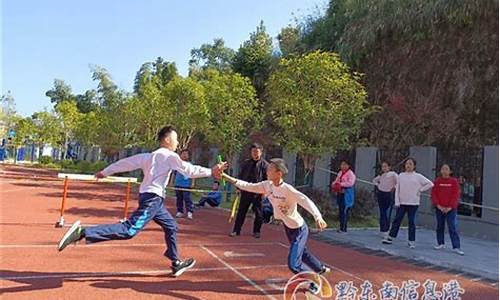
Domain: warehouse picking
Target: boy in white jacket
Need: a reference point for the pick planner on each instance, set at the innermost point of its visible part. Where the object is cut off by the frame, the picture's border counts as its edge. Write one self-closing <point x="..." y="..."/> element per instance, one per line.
<point x="157" y="167"/>
<point x="407" y="199"/>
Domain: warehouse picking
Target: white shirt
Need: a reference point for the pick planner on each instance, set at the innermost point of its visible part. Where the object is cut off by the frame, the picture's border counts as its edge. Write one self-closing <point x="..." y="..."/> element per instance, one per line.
<point x="157" y="167"/>
<point x="409" y="187"/>
<point x="284" y="199"/>
<point x="386" y="182"/>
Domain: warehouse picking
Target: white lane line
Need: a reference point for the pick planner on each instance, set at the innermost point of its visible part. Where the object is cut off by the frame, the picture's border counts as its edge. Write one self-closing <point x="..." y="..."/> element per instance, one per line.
<point x="7" y="246"/>
<point x="255" y="285"/>
<point x="143" y="272"/>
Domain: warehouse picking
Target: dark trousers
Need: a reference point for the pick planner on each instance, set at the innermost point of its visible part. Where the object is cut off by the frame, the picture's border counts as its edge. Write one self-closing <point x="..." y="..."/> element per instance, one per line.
<point x="184" y="197"/>
<point x="343" y="212"/>
<point x="150" y="208"/>
<point x="412" y="216"/>
<point x="246" y="200"/>
<point x="299" y="257"/>
<point x="451" y="219"/>
<point x="385" y="200"/>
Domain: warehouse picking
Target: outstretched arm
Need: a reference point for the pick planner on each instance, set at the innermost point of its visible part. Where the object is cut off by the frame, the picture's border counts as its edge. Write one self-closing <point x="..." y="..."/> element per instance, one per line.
<point x="257" y="188"/>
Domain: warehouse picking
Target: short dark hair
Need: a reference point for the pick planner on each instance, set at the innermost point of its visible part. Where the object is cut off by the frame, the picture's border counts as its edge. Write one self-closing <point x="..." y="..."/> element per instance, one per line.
<point x="256" y="146"/>
<point x="345" y="161"/>
<point x="186" y="150"/>
<point x="385" y="162"/>
<point x="280" y="164"/>
<point x="165" y="131"/>
<point x="410" y="158"/>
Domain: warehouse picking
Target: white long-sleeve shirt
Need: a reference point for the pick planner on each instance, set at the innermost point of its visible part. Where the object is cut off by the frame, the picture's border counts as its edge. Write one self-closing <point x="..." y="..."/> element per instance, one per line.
<point x="386" y="182"/>
<point x="284" y="199"/>
<point x="157" y="167"/>
<point x="409" y="187"/>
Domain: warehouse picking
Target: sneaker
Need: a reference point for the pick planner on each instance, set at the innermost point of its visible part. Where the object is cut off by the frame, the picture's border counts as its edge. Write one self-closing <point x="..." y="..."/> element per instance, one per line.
<point x="387" y="240"/>
<point x="411" y="244"/>
<point x="458" y="251"/>
<point x="74" y="234"/>
<point x="179" y="266"/>
<point x="190" y="215"/>
<point x="384" y="234"/>
<point x="256" y="235"/>
<point x="313" y="288"/>
<point x="324" y="270"/>
<point x="179" y="215"/>
<point x="234" y="233"/>
<point x="439" y="247"/>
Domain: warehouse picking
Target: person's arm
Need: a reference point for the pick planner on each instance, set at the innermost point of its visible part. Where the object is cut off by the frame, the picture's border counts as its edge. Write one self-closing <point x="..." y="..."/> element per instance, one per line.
<point x="435" y="195"/>
<point x="376" y="181"/>
<point x="394" y="180"/>
<point x="188" y="169"/>
<point x="337" y="179"/>
<point x="456" y="190"/>
<point x="308" y="205"/>
<point x="123" y="165"/>
<point x="350" y="179"/>
<point x="257" y="188"/>
<point x="396" y="194"/>
<point x="425" y="183"/>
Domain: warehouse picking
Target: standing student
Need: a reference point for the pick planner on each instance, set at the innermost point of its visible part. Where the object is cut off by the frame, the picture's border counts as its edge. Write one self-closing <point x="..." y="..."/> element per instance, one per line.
<point x="252" y="170"/>
<point x="386" y="184"/>
<point x="183" y="183"/>
<point x="285" y="199"/>
<point x="343" y="187"/>
<point x="156" y="167"/>
<point x="445" y="197"/>
<point x="407" y="199"/>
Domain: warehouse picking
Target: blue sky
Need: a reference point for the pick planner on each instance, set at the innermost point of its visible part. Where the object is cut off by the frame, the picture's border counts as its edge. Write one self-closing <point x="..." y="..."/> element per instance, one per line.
<point x="44" y="40"/>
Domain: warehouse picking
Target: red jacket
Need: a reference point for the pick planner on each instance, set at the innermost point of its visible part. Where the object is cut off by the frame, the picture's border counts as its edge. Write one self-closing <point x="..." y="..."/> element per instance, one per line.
<point x="446" y="192"/>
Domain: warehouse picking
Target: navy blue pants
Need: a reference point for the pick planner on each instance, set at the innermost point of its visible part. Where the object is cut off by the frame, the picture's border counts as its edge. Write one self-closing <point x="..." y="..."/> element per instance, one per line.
<point x="451" y="219"/>
<point x="212" y="202"/>
<point x="385" y="208"/>
<point x="150" y="208"/>
<point x="299" y="257"/>
<point x="184" y="197"/>
<point x="412" y="216"/>
<point x="343" y="212"/>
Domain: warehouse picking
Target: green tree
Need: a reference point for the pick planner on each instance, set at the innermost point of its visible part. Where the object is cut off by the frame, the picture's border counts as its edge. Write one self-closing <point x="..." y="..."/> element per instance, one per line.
<point x="69" y="116"/>
<point x="60" y="92"/>
<point x="7" y="112"/>
<point x="234" y="111"/>
<point x="25" y="130"/>
<point x="48" y="128"/>
<point x="215" y="55"/>
<point x="318" y="106"/>
<point x="254" y="59"/>
<point x="290" y="41"/>
<point x="87" y="101"/>
<point x="186" y="108"/>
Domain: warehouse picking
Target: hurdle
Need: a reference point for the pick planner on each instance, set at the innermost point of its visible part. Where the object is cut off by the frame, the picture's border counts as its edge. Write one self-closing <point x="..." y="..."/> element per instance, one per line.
<point x="92" y="178"/>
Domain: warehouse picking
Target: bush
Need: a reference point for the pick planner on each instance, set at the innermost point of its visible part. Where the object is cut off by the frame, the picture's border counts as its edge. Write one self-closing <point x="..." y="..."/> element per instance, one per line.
<point x="364" y="204"/>
<point x="45" y="159"/>
<point x="67" y="164"/>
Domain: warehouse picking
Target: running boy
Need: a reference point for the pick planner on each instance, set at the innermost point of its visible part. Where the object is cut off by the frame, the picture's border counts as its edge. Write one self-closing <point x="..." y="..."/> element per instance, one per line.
<point x="157" y="167"/>
<point x="284" y="199"/>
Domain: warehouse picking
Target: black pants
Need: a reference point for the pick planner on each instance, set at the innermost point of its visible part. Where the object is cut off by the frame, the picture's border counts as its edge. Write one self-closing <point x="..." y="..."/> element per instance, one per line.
<point x="246" y="200"/>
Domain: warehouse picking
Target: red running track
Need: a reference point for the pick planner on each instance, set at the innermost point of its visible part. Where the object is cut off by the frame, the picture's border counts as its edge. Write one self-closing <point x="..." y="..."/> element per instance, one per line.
<point x="235" y="268"/>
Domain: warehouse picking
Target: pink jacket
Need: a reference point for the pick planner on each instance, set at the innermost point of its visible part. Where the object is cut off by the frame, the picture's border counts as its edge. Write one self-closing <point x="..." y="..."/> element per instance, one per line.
<point x="348" y="180"/>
